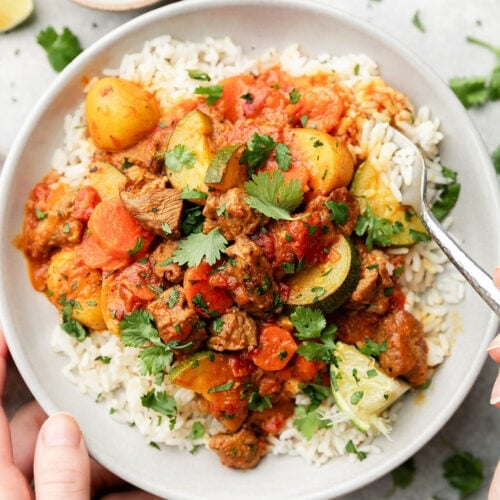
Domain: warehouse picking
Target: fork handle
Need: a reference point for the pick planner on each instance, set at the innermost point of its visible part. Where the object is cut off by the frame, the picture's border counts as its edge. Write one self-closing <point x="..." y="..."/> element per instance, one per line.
<point x="480" y="280"/>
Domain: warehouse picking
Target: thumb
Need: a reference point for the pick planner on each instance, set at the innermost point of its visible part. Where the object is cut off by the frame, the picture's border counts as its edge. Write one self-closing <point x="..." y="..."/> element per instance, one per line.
<point x="62" y="465"/>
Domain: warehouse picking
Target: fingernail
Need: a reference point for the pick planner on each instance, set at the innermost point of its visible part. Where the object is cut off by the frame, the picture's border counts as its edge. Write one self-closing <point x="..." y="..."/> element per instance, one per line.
<point x="61" y="429"/>
<point x="495" y="344"/>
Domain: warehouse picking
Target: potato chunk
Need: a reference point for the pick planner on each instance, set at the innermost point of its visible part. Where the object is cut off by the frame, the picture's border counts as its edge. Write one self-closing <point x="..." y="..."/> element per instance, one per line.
<point x="70" y="280"/>
<point x="119" y="113"/>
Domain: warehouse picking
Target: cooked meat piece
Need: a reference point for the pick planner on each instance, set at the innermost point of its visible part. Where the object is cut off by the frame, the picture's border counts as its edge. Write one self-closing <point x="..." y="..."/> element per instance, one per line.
<point x="406" y="353"/>
<point x="248" y="277"/>
<point x="49" y="223"/>
<point x="155" y="207"/>
<point x="237" y="331"/>
<point x="230" y="212"/>
<point x="144" y="153"/>
<point x="343" y="195"/>
<point x="242" y="450"/>
<point x="163" y="267"/>
<point x="174" y="318"/>
<point x="355" y="326"/>
<point x="374" y="280"/>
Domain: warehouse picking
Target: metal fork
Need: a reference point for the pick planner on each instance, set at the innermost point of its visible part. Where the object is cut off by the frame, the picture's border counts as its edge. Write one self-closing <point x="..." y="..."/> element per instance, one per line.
<point x="414" y="195"/>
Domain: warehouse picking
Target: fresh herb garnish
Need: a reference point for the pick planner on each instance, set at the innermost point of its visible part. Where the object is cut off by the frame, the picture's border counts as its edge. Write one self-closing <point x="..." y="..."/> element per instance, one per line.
<point x="316" y="393"/>
<point x="294" y="96"/>
<point x="192" y="194"/>
<point x="448" y="196"/>
<point x="61" y="48"/>
<point x="212" y="92"/>
<point x="162" y="403"/>
<point x="192" y="219"/>
<point x="319" y="339"/>
<point x="270" y="195"/>
<point x="40" y="215"/>
<point x="495" y="158"/>
<point x="403" y="475"/>
<point x="179" y="157"/>
<point x="197" y="431"/>
<point x="198" y="246"/>
<point x="339" y="212"/>
<point x="464" y="472"/>
<point x="371" y="348"/>
<point x="70" y="325"/>
<point x="417" y="22"/>
<point x="259" y="148"/>
<point x="307" y="421"/>
<point x="137" y="329"/>
<point x="350" y="447"/>
<point x="256" y="402"/>
<point x="137" y="247"/>
<point x="197" y="74"/>
<point x="378" y="230"/>
<point x="222" y="387"/>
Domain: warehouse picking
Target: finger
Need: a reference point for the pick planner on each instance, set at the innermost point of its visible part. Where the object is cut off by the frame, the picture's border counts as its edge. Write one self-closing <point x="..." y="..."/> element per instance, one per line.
<point x="24" y="427"/>
<point x="130" y="495"/>
<point x="495" y="393"/>
<point x="62" y="465"/>
<point x="494" y="349"/>
<point x="103" y="479"/>
<point x="496" y="276"/>
<point x="12" y="483"/>
<point x="494" y="492"/>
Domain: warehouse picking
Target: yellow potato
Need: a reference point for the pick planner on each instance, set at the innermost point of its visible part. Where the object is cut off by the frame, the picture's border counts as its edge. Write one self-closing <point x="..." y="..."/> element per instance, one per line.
<point x="69" y="280"/>
<point x="119" y="113"/>
<point x="327" y="160"/>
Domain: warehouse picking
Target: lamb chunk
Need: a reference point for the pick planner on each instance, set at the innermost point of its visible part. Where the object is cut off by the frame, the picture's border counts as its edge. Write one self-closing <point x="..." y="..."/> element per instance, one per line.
<point x="163" y="268"/>
<point x="155" y="207"/>
<point x="174" y="318"/>
<point x="242" y="450"/>
<point x="248" y="277"/>
<point x="238" y="331"/>
<point x="50" y="223"/>
<point x="230" y="212"/>
<point x="406" y="354"/>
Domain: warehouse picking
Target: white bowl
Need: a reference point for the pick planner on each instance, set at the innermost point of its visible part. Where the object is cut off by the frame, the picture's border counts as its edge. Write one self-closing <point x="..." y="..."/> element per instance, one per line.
<point x="28" y="318"/>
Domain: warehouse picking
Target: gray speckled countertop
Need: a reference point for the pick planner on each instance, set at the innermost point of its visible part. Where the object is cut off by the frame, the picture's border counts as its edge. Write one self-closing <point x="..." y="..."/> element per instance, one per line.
<point x="25" y="74"/>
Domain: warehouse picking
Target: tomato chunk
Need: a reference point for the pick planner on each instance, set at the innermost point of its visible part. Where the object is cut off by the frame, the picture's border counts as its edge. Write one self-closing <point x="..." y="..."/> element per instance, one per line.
<point x="276" y="348"/>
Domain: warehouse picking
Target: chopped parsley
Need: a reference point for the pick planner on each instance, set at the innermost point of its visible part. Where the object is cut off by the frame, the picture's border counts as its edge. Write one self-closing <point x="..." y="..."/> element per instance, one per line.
<point x="198" y="246"/>
<point x="40" y="215"/>
<point x="70" y="325"/>
<point x="417" y="22"/>
<point x="61" y="48"/>
<point x="256" y="402"/>
<point x="294" y="96"/>
<point x="272" y="196"/>
<point x="258" y="150"/>
<point x="222" y="387"/>
<point x="350" y="447"/>
<point x="197" y="431"/>
<point x="371" y="348"/>
<point x="137" y="247"/>
<point x="192" y="219"/>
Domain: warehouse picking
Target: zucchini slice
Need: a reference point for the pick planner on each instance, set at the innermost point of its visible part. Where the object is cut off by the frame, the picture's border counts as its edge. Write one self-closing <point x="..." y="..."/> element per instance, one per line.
<point x="369" y="188"/>
<point x="225" y="170"/>
<point x="329" y="284"/>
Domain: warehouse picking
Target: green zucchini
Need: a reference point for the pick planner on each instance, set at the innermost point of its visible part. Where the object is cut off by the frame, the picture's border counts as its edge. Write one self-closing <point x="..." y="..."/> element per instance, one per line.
<point x="370" y="189"/>
<point x="327" y="285"/>
<point x="225" y="171"/>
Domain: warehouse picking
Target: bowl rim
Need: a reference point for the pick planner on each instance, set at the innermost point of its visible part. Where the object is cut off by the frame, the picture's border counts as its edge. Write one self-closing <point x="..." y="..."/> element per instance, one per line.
<point x="179" y="9"/>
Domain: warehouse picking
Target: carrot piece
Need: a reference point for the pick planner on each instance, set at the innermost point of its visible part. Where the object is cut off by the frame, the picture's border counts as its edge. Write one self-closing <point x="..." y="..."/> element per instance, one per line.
<point x="96" y="258"/>
<point x="276" y="348"/>
<point x="306" y="370"/>
<point x="116" y="231"/>
<point x="203" y="297"/>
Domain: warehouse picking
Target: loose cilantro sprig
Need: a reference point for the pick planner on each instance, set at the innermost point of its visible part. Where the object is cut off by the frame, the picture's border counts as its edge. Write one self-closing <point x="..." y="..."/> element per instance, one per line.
<point x="270" y="195"/>
<point x="308" y="421"/>
<point x="464" y="472"/>
<point x="61" y="48"/>
<point x="137" y="329"/>
<point x="179" y="157"/>
<point x="212" y="93"/>
<point x="403" y="476"/>
<point x="319" y="338"/>
<point x="378" y="230"/>
<point x="477" y="90"/>
<point x="70" y="325"/>
<point x="198" y="246"/>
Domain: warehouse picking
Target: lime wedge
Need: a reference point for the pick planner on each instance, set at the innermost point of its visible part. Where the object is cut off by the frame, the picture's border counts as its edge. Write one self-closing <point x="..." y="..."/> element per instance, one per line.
<point x="361" y="389"/>
<point x="14" y="12"/>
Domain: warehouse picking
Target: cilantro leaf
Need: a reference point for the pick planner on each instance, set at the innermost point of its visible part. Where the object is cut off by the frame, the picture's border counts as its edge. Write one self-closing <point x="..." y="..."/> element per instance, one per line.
<point x="494" y="85"/>
<point x="256" y="402"/>
<point x="179" y="157"/>
<point x="270" y="195"/>
<point x="378" y="230"/>
<point x="448" y="196"/>
<point x="339" y="212"/>
<point x="350" y="447"/>
<point x="137" y="328"/>
<point x="402" y="476"/>
<point x="472" y="91"/>
<point x="162" y="403"/>
<point x="198" y="246"/>
<point x="464" y="472"/>
<point x="70" y="325"/>
<point x="61" y="48"/>
<point x="316" y="393"/>
<point x="486" y="45"/>
<point x="283" y="156"/>
<point x="308" y="421"/>
<point x="371" y="348"/>
<point x="257" y="150"/>
<point x="192" y="219"/>
<point x="294" y="96"/>
<point x="212" y="92"/>
<point x="308" y="322"/>
<point x="197" y="431"/>
<point x="495" y="158"/>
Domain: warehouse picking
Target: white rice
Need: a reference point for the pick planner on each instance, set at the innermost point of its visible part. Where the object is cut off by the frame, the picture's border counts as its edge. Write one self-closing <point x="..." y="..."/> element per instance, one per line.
<point x="430" y="285"/>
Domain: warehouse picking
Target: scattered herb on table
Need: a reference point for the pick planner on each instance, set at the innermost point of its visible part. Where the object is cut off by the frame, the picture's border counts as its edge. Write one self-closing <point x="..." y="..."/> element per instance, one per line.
<point x="417" y="22"/>
<point x="495" y="158"/>
<point x="464" y="472"/>
<point x="61" y="48"/>
<point x="403" y="475"/>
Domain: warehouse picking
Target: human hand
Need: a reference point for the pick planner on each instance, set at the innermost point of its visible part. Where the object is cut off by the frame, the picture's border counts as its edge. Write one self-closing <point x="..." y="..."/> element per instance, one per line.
<point x="52" y="453"/>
